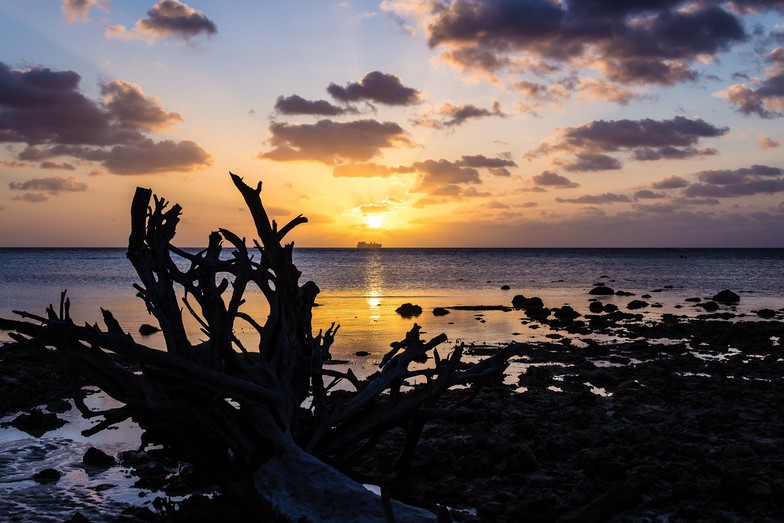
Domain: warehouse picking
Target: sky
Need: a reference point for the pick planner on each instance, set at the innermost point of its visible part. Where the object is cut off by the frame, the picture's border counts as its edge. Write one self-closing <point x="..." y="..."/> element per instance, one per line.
<point x="460" y="123"/>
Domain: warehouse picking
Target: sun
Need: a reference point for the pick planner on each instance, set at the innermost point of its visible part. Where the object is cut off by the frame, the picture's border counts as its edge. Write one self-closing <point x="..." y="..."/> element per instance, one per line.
<point x="374" y="221"/>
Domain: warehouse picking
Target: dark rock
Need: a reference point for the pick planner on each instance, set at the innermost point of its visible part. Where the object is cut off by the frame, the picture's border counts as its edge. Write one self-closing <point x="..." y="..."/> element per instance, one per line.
<point x="709" y="306"/>
<point x="637" y="304"/>
<point x="566" y="313"/>
<point x="610" y="307"/>
<point x="624" y="293"/>
<point x="59" y="406"/>
<point x="145" y="329"/>
<point x="47" y="476"/>
<point x="595" y="307"/>
<point x="766" y="314"/>
<point x="408" y="310"/>
<point x="726" y="296"/>
<point x="440" y="311"/>
<point x="362" y="353"/>
<point x="505" y="287"/>
<point x="97" y="458"/>
<point x="693" y="300"/>
<point x="37" y="423"/>
<point x="646" y="296"/>
<point x="521" y="302"/>
<point x="601" y="290"/>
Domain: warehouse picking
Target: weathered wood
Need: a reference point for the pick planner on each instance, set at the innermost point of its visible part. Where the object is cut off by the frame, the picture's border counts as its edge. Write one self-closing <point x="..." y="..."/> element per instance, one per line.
<point x="219" y="399"/>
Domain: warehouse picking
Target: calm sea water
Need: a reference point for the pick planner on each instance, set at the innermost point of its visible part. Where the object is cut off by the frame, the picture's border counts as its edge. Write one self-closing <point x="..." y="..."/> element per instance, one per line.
<point x="361" y="289"/>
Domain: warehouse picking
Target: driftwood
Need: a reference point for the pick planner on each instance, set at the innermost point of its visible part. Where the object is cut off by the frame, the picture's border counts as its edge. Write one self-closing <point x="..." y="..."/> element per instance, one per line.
<point x="268" y="414"/>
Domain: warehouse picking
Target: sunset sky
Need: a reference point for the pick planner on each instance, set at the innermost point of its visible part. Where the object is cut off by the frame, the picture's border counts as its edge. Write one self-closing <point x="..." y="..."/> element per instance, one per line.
<point x="463" y="123"/>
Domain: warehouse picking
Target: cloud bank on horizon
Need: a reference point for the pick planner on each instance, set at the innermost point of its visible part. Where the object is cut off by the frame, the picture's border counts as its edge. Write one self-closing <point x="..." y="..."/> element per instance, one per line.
<point x="505" y="122"/>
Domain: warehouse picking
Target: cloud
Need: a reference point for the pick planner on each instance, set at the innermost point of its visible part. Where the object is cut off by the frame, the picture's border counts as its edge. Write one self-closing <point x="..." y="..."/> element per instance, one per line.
<point x="31" y="197"/>
<point x="727" y="183"/>
<point x="766" y="142"/>
<point x="295" y="104"/>
<point x="377" y="87"/>
<point x="630" y="43"/>
<point x="167" y="19"/>
<point x="131" y="108"/>
<point x="77" y="10"/>
<point x="496" y="166"/>
<point x="374" y="208"/>
<point x="444" y="178"/>
<point x="646" y="139"/>
<point x="332" y="142"/>
<point x="54" y="165"/>
<point x="551" y="179"/>
<point x="671" y="182"/>
<point x="450" y="115"/>
<point x="647" y="194"/>
<point x="147" y="156"/>
<point x="598" y="199"/>
<point x="45" y="110"/>
<point x="54" y="185"/>
<point x="592" y="162"/>
<point x="765" y="97"/>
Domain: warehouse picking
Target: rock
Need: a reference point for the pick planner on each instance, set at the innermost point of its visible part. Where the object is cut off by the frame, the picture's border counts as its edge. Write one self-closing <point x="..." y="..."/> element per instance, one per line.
<point x="505" y="287"/>
<point x="408" y="310"/>
<point x="47" y="476"/>
<point x="145" y="329"/>
<point x="610" y="307"/>
<point x="595" y="307"/>
<point x="726" y="296"/>
<point x="693" y="300"/>
<point x="709" y="306"/>
<point x="97" y="458"/>
<point x="766" y="314"/>
<point x="566" y="313"/>
<point x="59" y="406"/>
<point x="440" y="311"/>
<point x="37" y="423"/>
<point x="78" y="517"/>
<point x="362" y="353"/>
<point x="521" y="302"/>
<point x="624" y="293"/>
<point x="637" y="304"/>
<point x="601" y="290"/>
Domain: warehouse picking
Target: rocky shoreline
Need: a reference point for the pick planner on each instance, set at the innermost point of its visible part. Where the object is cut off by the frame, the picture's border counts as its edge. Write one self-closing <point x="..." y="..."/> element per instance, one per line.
<point x="674" y="419"/>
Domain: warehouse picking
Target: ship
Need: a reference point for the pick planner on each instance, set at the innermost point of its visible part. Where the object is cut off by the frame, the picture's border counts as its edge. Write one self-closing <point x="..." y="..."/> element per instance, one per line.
<point x="368" y="245"/>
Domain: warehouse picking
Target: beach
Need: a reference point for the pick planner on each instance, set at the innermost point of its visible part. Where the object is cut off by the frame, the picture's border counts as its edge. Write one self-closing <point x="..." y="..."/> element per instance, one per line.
<point x="663" y="410"/>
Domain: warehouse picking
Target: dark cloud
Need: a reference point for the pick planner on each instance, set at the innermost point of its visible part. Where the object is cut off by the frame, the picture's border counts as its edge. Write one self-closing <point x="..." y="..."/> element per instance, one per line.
<point x="598" y="199"/>
<point x="168" y="19"/>
<point x="444" y="178"/>
<point x="551" y="179"/>
<point x="449" y="115"/>
<point x="765" y="98"/>
<point x="126" y="104"/>
<point x="671" y="182"/>
<point x="54" y="165"/>
<point x="747" y="181"/>
<point x="647" y="194"/>
<point x="295" y="104"/>
<point x="54" y="185"/>
<point x="31" y="197"/>
<point x="646" y="154"/>
<point x="147" y="156"/>
<point x="592" y="162"/>
<point x="481" y="160"/>
<point x="332" y="142"/>
<point x="646" y="139"/>
<point x="631" y="42"/>
<point x="376" y="87"/>
<point x="45" y="110"/>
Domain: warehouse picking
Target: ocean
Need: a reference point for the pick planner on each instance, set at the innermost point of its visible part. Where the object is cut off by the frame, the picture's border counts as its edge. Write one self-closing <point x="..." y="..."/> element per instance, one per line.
<point x="360" y="289"/>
